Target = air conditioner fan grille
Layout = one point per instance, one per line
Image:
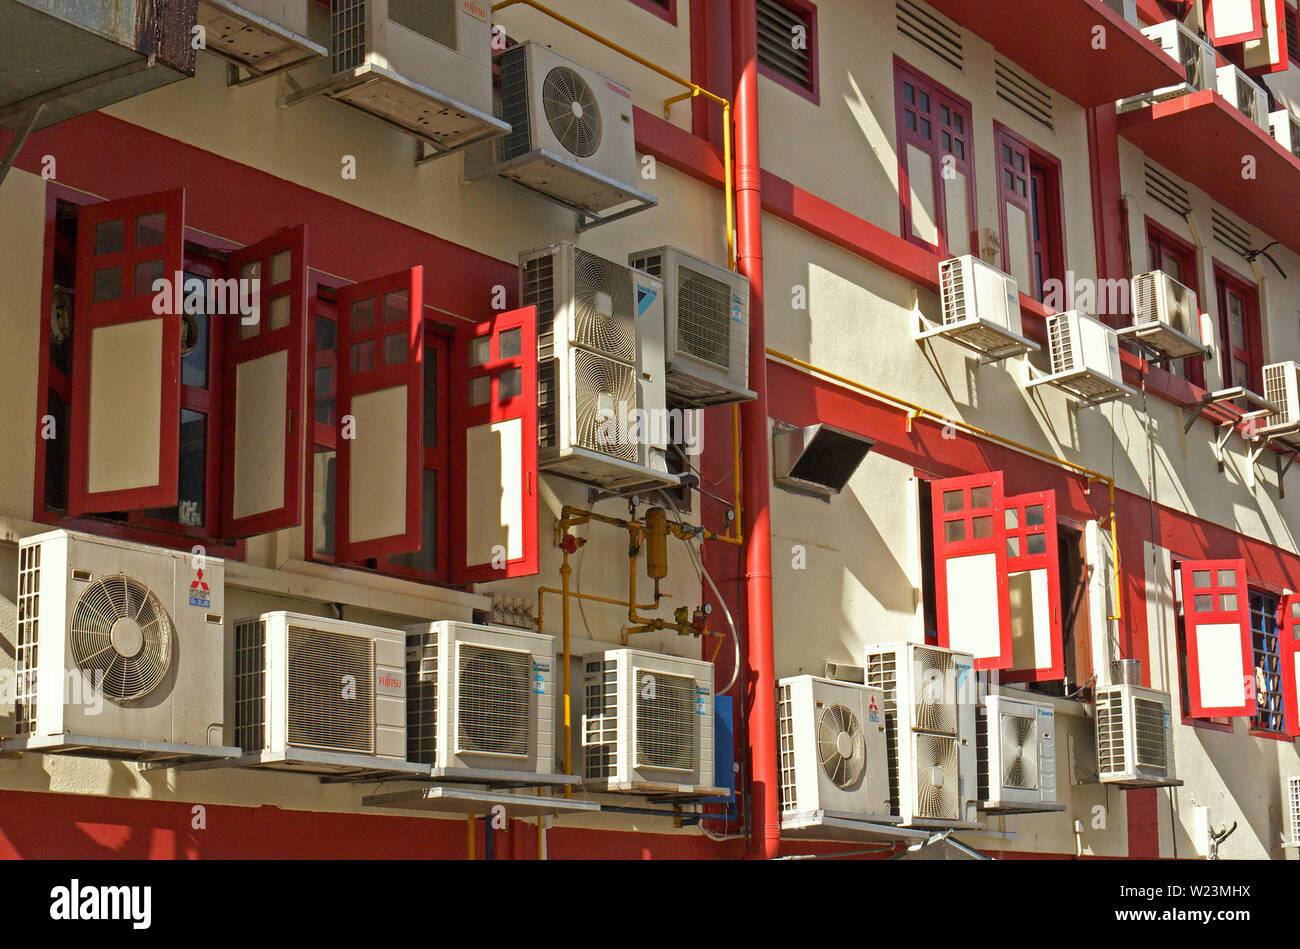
(121, 634)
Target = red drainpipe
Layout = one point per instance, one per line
(760, 679)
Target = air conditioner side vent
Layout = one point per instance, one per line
(347, 34)
(785, 722)
(29, 593)
(422, 697)
(600, 721)
(882, 673)
(432, 19)
(250, 685)
(513, 63)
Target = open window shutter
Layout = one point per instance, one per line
(1288, 648)
(1268, 54)
(380, 416)
(264, 394)
(970, 566)
(1034, 581)
(494, 412)
(1233, 21)
(127, 355)
(1216, 622)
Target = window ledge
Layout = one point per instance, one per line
(1275, 736)
(1208, 726)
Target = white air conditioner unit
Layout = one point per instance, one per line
(119, 649)
(571, 136)
(647, 724)
(1194, 54)
(706, 334)
(929, 696)
(317, 694)
(1282, 388)
(480, 701)
(600, 346)
(1166, 316)
(423, 67)
(1285, 127)
(1085, 359)
(832, 749)
(1293, 811)
(1135, 744)
(981, 309)
(1017, 755)
(1243, 93)
(262, 35)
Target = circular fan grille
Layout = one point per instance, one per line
(841, 747)
(936, 709)
(604, 317)
(604, 392)
(121, 634)
(936, 777)
(1019, 752)
(572, 111)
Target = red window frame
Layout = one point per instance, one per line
(664, 9)
(382, 374)
(1255, 32)
(1041, 199)
(1227, 282)
(982, 518)
(1216, 593)
(810, 89)
(1288, 648)
(1020, 535)
(940, 98)
(1291, 32)
(1163, 245)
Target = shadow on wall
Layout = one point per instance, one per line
(1252, 780)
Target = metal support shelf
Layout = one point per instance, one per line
(1159, 343)
(468, 800)
(1262, 408)
(992, 343)
(836, 826)
(1286, 442)
(151, 754)
(1086, 385)
(253, 43)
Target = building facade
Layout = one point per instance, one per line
(872, 140)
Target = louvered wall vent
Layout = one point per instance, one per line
(1018, 89)
(1229, 233)
(918, 22)
(1166, 191)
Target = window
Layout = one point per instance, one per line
(1177, 258)
(787, 44)
(151, 386)
(1241, 357)
(663, 8)
(1269, 715)
(936, 175)
(1029, 203)
(1216, 657)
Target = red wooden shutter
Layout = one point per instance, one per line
(1269, 53)
(1216, 624)
(264, 394)
(494, 417)
(1034, 580)
(126, 382)
(1233, 21)
(380, 416)
(970, 568)
(1288, 648)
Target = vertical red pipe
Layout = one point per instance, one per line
(765, 828)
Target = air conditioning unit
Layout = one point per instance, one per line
(832, 749)
(647, 724)
(981, 309)
(1244, 93)
(1285, 127)
(929, 730)
(571, 136)
(1016, 740)
(602, 404)
(1282, 388)
(1085, 359)
(263, 35)
(119, 649)
(317, 694)
(1166, 316)
(706, 334)
(1293, 811)
(424, 67)
(1135, 746)
(1193, 53)
(480, 700)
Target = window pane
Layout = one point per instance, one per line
(395, 349)
(326, 334)
(945, 114)
(322, 504)
(251, 270)
(1227, 578)
(981, 497)
(510, 384)
(363, 314)
(1034, 515)
(363, 355)
(191, 509)
(909, 119)
(194, 364)
(325, 395)
(954, 530)
(510, 343)
(150, 229)
(953, 501)
(479, 350)
(1013, 546)
(108, 284)
(109, 236)
(480, 390)
(1037, 543)
(924, 101)
(431, 395)
(945, 141)
(281, 309)
(1200, 579)
(909, 93)
(1204, 603)
(982, 527)
(1228, 602)
(280, 267)
(397, 307)
(146, 272)
(925, 128)
(1013, 518)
